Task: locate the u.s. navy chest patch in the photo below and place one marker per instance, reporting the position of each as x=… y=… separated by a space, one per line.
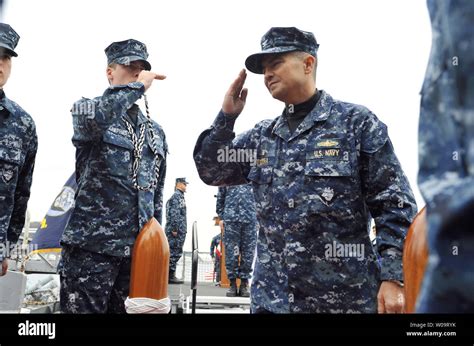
x=328 y=153
x=328 y=149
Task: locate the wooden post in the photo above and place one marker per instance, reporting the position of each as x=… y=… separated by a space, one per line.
x=237 y=282
x=415 y=259
x=225 y=283
x=224 y=279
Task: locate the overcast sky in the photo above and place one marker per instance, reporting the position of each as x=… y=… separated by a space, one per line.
x=371 y=52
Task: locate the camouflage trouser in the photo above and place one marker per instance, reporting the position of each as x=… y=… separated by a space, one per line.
x=176 y=249
x=239 y=239
x=93 y=282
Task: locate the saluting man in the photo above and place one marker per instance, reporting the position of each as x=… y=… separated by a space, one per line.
x=323 y=169
x=18 y=146
x=120 y=173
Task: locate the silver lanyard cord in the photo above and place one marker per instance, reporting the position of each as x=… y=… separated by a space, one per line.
x=138 y=143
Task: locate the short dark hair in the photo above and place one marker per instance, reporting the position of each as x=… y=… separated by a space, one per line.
x=303 y=55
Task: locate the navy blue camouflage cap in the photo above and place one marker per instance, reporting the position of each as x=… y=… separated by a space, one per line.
x=181 y=180
x=8 y=39
x=282 y=40
x=124 y=52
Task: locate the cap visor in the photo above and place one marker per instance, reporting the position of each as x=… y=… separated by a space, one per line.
x=137 y=58
x=7 y=50
x=254 y=62
x=128 y=59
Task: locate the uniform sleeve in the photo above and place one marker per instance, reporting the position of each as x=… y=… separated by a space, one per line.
x=209 y=153
x=388 y=196
x=92 y=117
x=220 y=202
x=445 y=183
x=158 y=199
x=22 y=192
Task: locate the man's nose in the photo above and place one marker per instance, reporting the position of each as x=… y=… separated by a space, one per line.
x=268 y=75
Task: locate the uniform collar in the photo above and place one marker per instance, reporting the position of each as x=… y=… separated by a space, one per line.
x=320 y=112
x=111 y=88
x=5 y=103
x=140 y=118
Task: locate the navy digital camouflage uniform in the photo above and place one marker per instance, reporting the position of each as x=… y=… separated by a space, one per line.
x=236 y=206
x=18 y=146
x=215 y=243
x=176 y=222
x=446 y=154
x=109 y=211
x=314 y=187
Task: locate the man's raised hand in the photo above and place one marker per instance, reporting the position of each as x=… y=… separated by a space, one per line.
x=234 y=100
x=147 y=78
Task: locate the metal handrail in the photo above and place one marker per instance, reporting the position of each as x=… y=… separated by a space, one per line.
x=194 y=269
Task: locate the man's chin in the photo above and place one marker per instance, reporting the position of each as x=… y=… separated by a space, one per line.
x=277 y=95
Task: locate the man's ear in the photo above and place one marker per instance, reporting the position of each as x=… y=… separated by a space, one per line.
x=108 y=73
x=309 y=64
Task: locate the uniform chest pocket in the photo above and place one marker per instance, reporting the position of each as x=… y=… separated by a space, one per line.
x=117 y=154
x=328 y=186
x=156 y=151
x=151 y=158
x=261 y=175
x=328 y=158
x=10 y=160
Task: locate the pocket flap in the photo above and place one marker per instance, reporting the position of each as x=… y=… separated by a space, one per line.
x=11 y=155
x=261 y=175
x=118 y=140
x=159 y=147
x=328 y=168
